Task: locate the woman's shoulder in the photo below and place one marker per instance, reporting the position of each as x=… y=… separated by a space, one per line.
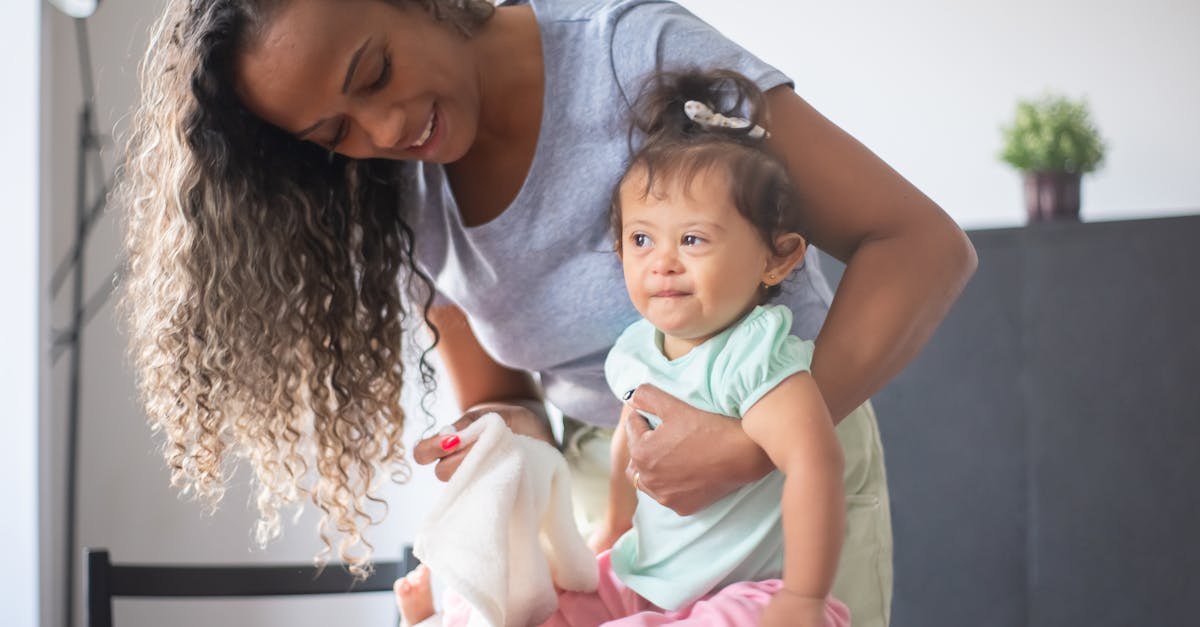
x=580 y=10
x=627 y=21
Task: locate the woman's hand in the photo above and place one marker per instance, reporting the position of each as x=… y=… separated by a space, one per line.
x=525 y=417
x=693 y=458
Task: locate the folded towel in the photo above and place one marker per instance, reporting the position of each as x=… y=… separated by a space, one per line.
x=502 y=534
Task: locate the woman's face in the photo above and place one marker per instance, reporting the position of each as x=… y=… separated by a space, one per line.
x=364 y=78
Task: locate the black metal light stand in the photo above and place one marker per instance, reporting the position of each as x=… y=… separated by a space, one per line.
x=70 y=340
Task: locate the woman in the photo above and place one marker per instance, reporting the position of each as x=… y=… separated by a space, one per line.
x=299 y=167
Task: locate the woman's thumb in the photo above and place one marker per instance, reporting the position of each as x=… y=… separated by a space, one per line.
x=649 y=399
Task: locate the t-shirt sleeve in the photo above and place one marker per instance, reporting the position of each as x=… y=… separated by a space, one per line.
x=654 y=36
x=760 y=354
x=622 y=369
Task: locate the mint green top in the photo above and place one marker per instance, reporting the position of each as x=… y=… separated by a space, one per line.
x=672 y=560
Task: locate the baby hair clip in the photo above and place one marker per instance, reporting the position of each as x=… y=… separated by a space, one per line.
x=703 y=115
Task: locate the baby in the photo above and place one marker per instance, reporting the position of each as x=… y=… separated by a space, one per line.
x=706 y=226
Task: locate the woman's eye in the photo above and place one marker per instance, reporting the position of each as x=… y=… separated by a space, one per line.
x=640 y=240
x=384 y=74
x=338 y=136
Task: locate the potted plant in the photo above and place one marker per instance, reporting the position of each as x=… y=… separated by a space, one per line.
x=1053 y=142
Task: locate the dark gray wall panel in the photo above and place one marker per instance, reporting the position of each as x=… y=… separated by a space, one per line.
x=954 y=435
x=952 y=424
x=1114 y=353
x=1043 y=450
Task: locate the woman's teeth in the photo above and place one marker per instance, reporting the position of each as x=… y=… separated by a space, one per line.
x=424 y=136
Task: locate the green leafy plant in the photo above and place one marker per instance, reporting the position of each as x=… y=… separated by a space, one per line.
x=1053 y=134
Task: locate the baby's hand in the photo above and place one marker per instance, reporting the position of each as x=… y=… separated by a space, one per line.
x=604 y=537
x=789 y=609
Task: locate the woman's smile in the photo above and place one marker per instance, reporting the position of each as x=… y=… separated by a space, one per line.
x=425 y=145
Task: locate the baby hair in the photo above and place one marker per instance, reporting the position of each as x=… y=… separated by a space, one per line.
x=677 y=149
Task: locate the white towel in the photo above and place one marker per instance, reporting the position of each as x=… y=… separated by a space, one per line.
x=502 y=534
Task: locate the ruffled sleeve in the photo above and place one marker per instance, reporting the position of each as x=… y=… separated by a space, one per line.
x=759 y=355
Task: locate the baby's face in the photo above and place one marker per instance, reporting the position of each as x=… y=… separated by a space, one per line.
x=693 y=264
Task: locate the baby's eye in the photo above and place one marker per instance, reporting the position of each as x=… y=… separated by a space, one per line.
x=691 y=240
x=640 y=240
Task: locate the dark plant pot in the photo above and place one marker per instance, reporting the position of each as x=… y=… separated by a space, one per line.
x=1052 y=196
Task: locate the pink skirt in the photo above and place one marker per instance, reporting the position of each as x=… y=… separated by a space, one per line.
x=615 y=605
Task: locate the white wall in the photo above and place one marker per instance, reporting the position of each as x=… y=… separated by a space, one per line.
x=925 y=84
x=19 y=252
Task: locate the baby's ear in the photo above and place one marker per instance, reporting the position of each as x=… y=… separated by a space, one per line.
x=791 y=247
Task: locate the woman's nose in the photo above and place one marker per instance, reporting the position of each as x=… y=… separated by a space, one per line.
x=383 y=125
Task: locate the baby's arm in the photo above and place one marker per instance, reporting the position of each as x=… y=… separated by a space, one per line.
x=792 y=424
x=622 y=497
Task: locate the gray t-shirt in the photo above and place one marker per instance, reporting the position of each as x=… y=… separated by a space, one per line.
x=540 y=283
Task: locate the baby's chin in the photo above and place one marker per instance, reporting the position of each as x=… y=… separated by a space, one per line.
x=686 y=331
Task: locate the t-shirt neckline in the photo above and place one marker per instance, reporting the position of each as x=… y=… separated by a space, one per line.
x=497 y=225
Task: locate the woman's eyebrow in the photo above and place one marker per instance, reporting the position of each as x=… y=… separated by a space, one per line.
x=345 y=85
x=354 y=65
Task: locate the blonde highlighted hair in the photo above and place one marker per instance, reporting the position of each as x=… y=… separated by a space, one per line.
x=268 y=284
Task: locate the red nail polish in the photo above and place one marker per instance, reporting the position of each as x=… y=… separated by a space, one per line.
x=450 y=442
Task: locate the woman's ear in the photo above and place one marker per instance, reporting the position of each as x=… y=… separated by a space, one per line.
x=791 y=247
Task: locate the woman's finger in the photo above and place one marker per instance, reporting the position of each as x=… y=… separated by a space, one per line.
x=448 y=465
x=651 y=400
x=636 y=427
x=441 y=445
x=635 y=477
x=429 y=450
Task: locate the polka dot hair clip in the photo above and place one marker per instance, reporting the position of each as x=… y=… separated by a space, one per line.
x=704 y=115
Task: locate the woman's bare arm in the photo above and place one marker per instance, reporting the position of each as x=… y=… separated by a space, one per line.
x=906 y=260
x=906 y=263
x=481 y=385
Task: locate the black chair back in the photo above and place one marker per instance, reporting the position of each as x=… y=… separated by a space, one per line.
x=105 y=581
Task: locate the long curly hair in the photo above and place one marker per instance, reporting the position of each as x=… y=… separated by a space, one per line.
x=268 y=284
